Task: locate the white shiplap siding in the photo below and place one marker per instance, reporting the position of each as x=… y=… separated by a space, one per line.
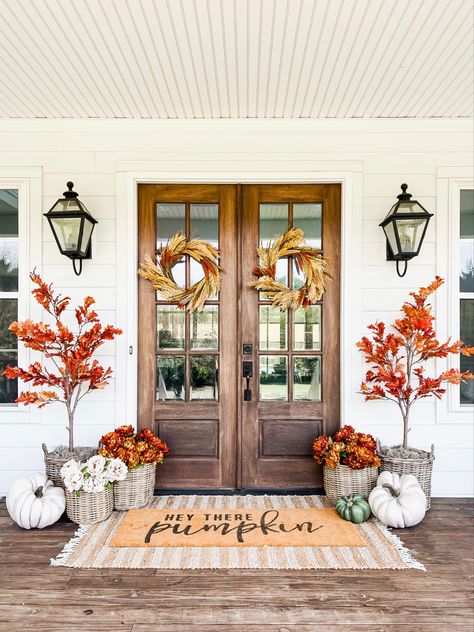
x=91 y=153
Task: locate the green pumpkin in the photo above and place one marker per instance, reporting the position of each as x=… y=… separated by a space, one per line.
x=354 y=508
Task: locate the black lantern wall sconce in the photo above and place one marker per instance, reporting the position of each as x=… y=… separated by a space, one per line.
x=405 y=228
x=72 y=227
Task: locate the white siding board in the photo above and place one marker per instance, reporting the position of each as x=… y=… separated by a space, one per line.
x=373 y=254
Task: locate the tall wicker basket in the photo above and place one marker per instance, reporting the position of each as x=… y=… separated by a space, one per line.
x=421 y=468
x=89 y=508
x=53 y=465
x=342 y=480
x=137 y=489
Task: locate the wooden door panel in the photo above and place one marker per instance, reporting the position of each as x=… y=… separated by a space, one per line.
x=201 y=433
x=301 y=431
x=277 y=435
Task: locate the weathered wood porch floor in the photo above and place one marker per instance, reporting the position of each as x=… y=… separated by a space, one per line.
x=36 y=596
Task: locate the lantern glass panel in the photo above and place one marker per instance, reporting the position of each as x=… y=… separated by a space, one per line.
x=66 y=205
x=86 y=235
x=67 y=232
x=410 y=233
x=390 y=234
x=409 y=207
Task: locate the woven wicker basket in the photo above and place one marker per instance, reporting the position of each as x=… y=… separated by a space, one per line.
x=421 y=468
x=137 y=489
x=53 y=465
x=342 y=480
x=89 y=508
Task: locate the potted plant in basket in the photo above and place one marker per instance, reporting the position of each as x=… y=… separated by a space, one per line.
x=69 y=372
x=350 y=463
x=140 y=453
x=89 y=496
x=397 y=374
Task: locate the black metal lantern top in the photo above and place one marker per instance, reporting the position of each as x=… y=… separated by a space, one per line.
x=72 y=226
x=405 y=228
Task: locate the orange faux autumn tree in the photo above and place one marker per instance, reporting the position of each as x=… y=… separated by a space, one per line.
x=396 y=359
x=71 y=353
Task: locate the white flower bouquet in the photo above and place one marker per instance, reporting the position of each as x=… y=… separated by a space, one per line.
x=93 y=476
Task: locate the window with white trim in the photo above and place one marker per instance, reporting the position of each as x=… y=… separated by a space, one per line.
x=9 y=257
x=466 y=289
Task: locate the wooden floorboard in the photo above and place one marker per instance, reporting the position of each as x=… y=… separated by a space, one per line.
x=36 y=596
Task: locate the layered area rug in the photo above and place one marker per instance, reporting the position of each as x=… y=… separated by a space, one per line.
x=184 y=532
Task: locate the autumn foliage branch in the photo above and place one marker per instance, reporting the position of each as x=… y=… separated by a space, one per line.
x=76 y=373
x=396 y=358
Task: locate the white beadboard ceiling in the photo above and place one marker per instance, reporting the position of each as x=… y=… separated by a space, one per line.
x=236 y=58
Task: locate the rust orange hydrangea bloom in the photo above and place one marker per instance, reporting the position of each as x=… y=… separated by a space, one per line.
x=133 y=449
x=348 y=447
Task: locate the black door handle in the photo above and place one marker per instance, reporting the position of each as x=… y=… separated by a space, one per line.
x=247 y=373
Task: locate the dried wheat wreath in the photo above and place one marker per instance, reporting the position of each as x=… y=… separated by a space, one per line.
x=161 y=275
x=312 y=264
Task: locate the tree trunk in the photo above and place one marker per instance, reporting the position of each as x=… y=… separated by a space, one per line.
x=70 y=428
x=405 y=428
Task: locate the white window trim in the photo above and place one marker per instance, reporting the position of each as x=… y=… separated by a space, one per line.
x=450 y=182
x=27 y=180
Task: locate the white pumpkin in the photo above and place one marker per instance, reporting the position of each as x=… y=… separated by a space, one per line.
x=398 y=501
x=34 y=503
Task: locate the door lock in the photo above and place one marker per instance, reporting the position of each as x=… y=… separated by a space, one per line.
x=247 y=369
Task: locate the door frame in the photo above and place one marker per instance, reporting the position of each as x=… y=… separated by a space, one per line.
x=127 y=181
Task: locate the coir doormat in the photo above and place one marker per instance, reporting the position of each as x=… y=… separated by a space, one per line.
x=293 y=532
x=250 y=527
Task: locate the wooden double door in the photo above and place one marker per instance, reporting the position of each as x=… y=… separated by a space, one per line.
x=194 y=369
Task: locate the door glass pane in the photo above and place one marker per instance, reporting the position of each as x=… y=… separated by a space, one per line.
x=467 y=336
x=307 y=378
x=307 y=329
x=170 y=378
x=272 y=329
x=273 y=221
x=308 y=218
x=205 y=328
x=8 y=388
x=298 y=276
x=170 y=218
x=8 y=240
x=467 y=241
x=204 y=225
x=204 y=377
x=273 y=378
x=170 y=321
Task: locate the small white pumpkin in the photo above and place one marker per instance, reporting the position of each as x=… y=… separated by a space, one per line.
x=398 y=501
x=34 y=503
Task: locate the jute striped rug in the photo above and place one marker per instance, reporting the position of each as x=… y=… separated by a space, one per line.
x=91 y=546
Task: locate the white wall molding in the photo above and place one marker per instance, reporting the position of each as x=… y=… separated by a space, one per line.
x=27 y=180
x=449 y=184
